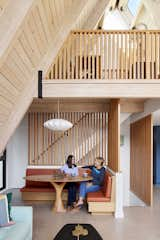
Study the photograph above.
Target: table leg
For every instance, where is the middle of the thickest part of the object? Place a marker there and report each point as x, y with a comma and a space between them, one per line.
58, 205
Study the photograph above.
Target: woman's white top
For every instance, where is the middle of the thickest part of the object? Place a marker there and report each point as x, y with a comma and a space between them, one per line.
71, 171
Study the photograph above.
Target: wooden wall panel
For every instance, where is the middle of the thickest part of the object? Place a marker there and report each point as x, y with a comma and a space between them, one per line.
86, 139
141, 169
114, 135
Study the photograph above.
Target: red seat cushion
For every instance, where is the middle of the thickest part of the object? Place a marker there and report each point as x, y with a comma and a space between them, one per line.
107, 186
37, 189
33, 184
104, 195
97, 197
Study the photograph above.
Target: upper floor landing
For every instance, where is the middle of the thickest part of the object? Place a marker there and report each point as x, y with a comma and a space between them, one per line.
99, 54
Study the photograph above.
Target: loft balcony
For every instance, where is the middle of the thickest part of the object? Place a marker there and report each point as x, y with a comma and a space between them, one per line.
108, 63
108, 55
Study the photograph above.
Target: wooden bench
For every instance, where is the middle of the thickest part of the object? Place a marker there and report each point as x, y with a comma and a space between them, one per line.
100, 202
103, 201
40, 190
43, 190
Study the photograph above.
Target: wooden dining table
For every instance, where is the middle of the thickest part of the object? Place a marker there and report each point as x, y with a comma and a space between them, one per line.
58, 182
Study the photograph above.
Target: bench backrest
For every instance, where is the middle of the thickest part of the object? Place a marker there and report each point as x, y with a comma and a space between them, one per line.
107, 186
83, 170
31, 171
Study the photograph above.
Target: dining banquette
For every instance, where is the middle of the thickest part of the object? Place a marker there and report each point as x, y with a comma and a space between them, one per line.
102, 201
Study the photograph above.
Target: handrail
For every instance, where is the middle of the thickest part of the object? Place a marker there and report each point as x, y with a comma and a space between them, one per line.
99, 31
99, 54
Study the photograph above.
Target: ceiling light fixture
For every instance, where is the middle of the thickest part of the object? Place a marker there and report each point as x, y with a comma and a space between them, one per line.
58, 124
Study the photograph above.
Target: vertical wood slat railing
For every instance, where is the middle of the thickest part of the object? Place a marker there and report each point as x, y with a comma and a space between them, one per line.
86, 139
102, 54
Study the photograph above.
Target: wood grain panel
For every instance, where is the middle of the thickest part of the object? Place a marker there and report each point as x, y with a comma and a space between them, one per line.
114, 135
35, 33
52, 148
141, 152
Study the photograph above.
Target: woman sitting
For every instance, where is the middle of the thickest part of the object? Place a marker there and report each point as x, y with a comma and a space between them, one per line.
70, 169
98, 174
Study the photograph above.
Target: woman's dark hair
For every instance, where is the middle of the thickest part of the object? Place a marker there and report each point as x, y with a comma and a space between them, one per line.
69, 161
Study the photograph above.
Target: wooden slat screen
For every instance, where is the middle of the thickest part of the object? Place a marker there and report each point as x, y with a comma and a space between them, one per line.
114, 135
86, 139
99, 54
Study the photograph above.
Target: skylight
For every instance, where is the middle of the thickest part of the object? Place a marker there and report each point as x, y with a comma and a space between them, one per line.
133, 6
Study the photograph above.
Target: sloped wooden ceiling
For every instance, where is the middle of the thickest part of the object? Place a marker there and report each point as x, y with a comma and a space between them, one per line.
31, 34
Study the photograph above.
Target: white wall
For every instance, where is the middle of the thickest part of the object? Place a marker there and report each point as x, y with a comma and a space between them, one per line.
17, 156
125, 161
113, 20
1, 174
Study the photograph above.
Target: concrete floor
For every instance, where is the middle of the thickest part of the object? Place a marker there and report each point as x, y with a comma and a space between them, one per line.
140, 223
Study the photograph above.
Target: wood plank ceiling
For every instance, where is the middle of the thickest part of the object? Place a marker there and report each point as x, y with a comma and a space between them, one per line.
85, 105
30, 45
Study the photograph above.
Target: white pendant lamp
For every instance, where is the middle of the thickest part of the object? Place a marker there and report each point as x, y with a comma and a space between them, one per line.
58, 124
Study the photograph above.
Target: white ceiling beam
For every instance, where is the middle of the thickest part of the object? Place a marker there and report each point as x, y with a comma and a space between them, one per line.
96, 14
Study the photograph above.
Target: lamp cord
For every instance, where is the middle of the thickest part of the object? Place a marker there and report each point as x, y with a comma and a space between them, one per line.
58, 108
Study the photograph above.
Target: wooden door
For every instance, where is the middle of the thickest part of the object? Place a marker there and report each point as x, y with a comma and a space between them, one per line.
141, 152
